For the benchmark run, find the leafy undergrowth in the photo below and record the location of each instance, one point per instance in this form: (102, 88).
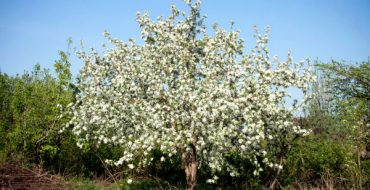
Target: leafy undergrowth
(151, 184)
(137, 184)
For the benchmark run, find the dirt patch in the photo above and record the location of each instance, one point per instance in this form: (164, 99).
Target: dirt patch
(20, 178)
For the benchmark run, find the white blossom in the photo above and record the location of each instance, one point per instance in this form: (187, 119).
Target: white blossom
(131, 166)
(129, 181)
(173, 93)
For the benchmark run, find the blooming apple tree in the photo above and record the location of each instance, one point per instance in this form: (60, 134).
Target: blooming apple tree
(188, 93)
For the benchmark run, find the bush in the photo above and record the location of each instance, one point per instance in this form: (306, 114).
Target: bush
(312, 158)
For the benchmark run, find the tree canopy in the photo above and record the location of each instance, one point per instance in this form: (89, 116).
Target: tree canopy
(188, 93)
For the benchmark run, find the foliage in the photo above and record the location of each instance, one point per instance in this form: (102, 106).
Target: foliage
(349, 81)
(29, 120)
(313, 157)
(351, 86)
(333, 154)
(33, 113)
(5, 113)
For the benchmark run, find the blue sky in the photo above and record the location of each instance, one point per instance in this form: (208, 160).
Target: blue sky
(33, 31)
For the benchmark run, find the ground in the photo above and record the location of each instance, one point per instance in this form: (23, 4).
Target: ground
(15, 177)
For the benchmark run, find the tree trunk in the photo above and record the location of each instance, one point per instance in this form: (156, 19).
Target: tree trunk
(189, 162)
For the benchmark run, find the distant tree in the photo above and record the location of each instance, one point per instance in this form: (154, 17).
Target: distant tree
(6, 119)
(319, 114)
(187, 93)
(29, 111)
(349, 81)
(350, 84)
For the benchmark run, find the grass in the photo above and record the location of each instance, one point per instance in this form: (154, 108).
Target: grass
(137, 184)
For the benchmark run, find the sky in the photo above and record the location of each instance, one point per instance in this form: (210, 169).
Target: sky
(33, 32)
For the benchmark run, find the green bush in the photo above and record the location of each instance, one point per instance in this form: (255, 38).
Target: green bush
(313, 157)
